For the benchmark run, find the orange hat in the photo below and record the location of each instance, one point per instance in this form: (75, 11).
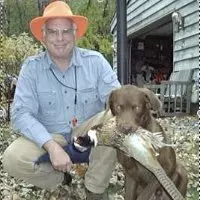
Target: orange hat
(58, 9)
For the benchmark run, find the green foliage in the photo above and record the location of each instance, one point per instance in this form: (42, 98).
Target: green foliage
(99, 43)
(18, 15)
(98, 36)
(2, 75)
(16, 50)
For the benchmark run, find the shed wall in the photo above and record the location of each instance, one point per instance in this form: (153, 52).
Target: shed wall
(142, 14)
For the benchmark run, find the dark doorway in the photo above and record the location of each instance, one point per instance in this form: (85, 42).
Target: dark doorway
(151, 57)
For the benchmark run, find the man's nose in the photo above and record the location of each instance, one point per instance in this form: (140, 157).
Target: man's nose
(60, 35)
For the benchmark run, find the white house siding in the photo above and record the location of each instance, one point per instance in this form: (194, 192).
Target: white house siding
(143, 13)
(186, 45)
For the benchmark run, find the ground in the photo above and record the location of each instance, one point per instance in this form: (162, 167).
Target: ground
(183, 132)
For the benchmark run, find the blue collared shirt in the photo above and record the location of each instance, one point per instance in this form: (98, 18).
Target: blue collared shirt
(44, 101)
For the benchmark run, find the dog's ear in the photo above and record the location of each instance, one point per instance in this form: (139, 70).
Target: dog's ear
(155, 103)
(148, 102)
(110, 103)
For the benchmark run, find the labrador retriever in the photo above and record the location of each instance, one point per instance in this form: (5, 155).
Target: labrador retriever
(133, 107)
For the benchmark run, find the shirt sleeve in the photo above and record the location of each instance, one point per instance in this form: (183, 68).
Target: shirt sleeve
(108, 80)
(25, 106)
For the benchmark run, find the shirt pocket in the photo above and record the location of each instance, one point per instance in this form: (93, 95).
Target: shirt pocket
(47, 102)
(90, 102)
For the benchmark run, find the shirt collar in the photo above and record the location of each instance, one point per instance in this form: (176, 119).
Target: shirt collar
(76, 59)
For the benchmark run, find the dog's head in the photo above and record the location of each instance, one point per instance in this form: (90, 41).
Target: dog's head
(132, 107)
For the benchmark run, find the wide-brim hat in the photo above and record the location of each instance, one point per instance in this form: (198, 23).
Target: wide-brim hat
(54, 10)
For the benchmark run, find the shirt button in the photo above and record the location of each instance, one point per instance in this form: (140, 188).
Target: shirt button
(65, 91)
(67, 107)
(86, 101)
(49, 102)
(63, 76)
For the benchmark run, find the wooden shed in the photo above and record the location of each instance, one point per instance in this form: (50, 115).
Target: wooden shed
(163, 36)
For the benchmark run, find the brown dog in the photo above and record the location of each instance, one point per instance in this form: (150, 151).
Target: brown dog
(133, 107)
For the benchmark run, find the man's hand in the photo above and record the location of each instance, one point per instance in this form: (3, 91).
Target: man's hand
(59, 158)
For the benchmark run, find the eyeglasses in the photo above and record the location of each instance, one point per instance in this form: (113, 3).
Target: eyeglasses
(56, 32)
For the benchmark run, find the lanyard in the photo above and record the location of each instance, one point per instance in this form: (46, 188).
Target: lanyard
(74, 120)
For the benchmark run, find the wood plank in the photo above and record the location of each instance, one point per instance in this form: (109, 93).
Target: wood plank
(147, 10)
(186, 54)
(185, 3)
(135, 6)
(186, 64)
(191, 19)
(187, 9)
(187, 32)
(186, 43)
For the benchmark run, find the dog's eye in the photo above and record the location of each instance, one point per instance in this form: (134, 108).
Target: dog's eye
(138, 108)
(118, 107)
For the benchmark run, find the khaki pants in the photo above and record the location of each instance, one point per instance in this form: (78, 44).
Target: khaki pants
(19, 157)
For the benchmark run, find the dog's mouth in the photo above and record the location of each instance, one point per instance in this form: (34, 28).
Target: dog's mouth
(126, 129)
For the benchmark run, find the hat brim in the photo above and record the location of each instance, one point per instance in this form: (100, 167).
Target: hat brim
(37, 24)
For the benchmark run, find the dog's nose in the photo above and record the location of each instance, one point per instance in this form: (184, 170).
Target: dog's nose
(126, 129)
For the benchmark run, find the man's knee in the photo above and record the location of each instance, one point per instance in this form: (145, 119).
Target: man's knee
(102, 162)
(18, 161)
(10, 159)
(19, 156)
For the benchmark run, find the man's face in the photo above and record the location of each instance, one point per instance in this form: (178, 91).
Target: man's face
(59, 37)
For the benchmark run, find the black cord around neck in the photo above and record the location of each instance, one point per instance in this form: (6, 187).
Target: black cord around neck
(73, 88)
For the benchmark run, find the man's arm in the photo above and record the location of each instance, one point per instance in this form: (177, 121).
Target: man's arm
(107, 79)
(24, 118)
(25, 107)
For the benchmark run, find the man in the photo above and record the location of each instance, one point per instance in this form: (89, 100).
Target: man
(56, 91)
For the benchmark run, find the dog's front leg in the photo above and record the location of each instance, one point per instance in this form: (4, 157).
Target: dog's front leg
(151, 191)
(130, 187)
